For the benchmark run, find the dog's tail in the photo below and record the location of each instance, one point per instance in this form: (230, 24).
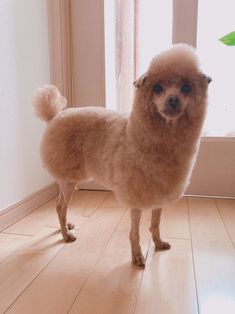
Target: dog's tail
(48, 102)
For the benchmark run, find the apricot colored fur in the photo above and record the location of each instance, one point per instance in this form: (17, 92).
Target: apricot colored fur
(145, 157)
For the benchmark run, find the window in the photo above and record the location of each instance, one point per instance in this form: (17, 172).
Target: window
(151, 27)
(216, 19)
(154, 30)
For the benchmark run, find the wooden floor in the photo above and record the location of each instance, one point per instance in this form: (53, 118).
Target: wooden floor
(39, 273)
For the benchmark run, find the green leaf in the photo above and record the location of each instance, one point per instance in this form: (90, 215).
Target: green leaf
(228, 39)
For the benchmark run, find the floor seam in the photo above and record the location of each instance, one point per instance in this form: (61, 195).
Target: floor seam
(142, 275)
(18, 234)
(34, 279)
(227, 231)
(193, 260)
(96, 262)
(44, 267)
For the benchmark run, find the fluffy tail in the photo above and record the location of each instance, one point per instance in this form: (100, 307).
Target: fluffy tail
(48, 102)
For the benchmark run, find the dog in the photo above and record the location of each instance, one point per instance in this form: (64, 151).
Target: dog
(145, 157)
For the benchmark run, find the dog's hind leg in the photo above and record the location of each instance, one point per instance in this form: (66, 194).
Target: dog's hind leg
(137, 257)
(155, 230)
(66, 191)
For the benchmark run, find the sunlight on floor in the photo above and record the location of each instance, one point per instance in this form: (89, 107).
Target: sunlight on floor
(218, 303)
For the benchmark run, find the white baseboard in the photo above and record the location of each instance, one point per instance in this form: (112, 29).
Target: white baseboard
(91, 185)
(20, 209)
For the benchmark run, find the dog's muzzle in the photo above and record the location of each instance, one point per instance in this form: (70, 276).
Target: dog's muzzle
(172, 107)
(173, 102)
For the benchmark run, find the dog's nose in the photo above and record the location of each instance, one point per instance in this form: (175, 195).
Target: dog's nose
(173, 102)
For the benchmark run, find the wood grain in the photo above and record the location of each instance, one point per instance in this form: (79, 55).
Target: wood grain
(9, 243)
(62, 284)
(18, 271)
(39, 273)
(174, 222)
(168, 283)
(214, 258)
(226, 209)
(113, 284)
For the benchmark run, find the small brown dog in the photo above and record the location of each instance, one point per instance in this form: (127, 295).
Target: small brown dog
(146, 157)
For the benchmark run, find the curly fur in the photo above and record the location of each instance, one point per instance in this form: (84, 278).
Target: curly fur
(145, 158)
(48, 102)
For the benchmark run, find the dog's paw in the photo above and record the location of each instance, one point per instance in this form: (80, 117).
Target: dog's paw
(70, 225)
(138, 260)
(162, 245)
(69, 237)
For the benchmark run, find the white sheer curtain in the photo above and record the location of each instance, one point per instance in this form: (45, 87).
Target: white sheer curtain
(126, 11)
(143, 29)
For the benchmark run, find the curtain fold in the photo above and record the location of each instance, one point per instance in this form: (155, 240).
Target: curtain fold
(126, 27)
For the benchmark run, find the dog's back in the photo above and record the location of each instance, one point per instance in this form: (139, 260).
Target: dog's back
(78, 143)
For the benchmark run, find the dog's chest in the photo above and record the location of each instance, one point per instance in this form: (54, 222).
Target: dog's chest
(160, 178)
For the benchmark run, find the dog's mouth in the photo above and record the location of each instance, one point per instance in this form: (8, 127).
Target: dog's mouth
(171, 114)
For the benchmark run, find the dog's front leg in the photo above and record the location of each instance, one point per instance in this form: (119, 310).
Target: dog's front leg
(137, 257)
(66, 191)
(155, 230)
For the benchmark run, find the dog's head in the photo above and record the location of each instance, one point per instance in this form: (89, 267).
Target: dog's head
(174, 83)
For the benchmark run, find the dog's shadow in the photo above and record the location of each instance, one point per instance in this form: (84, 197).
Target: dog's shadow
(120, 288)
(110, 280)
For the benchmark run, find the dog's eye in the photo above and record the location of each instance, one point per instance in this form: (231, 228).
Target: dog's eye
(157, 89)
(185, 89)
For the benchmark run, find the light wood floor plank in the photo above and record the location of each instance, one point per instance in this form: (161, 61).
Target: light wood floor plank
(175, 222)
(114, 282)
(63, 278)
(168, 282)
(35, 221)
(226, 208)
(214, 258)
(25, 264)
(39, 273)
(83, 204)
(111, 201)
(9, 243)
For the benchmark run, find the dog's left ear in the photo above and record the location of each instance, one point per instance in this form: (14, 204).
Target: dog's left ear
(141, 80)
(209, 79)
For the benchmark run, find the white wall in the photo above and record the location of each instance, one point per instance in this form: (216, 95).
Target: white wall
(24, 65)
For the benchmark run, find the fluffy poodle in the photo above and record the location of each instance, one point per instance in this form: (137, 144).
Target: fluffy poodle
(146, 157)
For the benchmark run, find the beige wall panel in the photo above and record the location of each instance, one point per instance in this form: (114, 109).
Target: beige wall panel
(214, 172)
(88, 52)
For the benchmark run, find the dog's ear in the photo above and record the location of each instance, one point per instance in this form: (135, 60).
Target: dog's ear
(141, 80)
(207, 78)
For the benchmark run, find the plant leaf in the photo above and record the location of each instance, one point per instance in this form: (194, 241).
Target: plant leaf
(228, 39)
